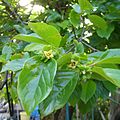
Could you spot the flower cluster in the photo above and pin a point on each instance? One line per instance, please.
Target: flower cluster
(73, 64)
(48, 54)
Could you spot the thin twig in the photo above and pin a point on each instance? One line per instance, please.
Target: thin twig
(77, 112)
(88, 45)
(82, 35)
(114, 101)
(3, 84)
(11, 10)
(71, 48)
(102, 115)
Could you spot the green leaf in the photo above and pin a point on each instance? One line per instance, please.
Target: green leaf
(112, 53)
(76, 8)
(2, 58)
(16, 56)
(74, 18)
(112, 75)
(14, 65)
(98, 21)
(64, 59)
(53, 16)
(111, 56)
(112, 60)
(105, 33)
(7, 51)
(13, 92)
(88, 90)
(20, 29)
(79, 48)
(100, 89)
(34, 47)
(108, 85)
(75, 97)
(95, 55)
(48, 33)
(30, 38)
(64, 84)
(63, 24)
(63, 40)
(35, 82)
(86, 107)
(85, 5)
(113, 16)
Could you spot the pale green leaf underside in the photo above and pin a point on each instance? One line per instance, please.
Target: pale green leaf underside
(30, 38)
(13, 65)
(34, 47)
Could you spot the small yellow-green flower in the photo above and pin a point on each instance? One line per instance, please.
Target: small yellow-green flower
(48, 54)
(73, 64)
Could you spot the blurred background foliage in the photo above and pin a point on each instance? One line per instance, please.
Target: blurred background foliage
(15, 15)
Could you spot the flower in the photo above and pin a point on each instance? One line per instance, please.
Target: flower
(73, 64)
(48, 54)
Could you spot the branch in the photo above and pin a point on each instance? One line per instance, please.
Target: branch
(82, 35)
(88, 45)
(12, 12)
(4, 82)
(71, 48)
(102, 115)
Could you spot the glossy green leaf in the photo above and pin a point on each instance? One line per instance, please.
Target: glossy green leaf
(13, 92)
(85, 5)
(54, 15)
(112, 75)
(98, 21)
(63, 24)
(113, 15)
(14, 65)
(75, 97)
(64, 59)
(88, 90)
(30, 38)
(7, 51)
(86, 107)
(35, 82)
(101, 91)
(48, 33)
(113, 52)
(79, 48)
(34, 47)
(74, 18)
(64, 85)
(2, 58)
(105, 33)
(109, 86)
(20, 29)
(111, 56)
(112, 60)
(16, 56)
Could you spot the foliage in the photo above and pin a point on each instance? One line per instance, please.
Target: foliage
(63, 54)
